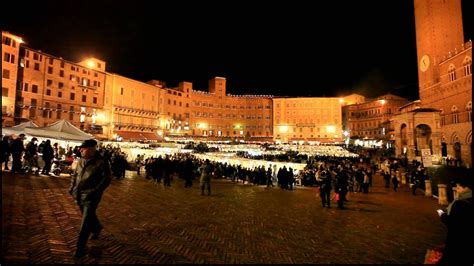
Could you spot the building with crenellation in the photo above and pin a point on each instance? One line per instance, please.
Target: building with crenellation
(218, 114)
(442, 124)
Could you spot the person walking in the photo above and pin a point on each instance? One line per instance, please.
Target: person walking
(325, 188)
(5, 153)
(48, 155)
(459, 220)
(88, 183)
(394, 182)
(17, 149)
(206, 172)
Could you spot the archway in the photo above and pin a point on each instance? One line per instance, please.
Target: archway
(457, 151)
(444, 149)
(404, 139)
(422, 138)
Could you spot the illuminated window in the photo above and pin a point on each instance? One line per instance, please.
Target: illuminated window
(452, 72)
(455, 114)
(467, 63)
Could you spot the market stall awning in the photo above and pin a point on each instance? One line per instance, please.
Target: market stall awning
(136, 135)
(61, 129)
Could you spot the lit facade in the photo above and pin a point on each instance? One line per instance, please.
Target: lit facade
(53, 88)
(443, 123)
(131, 109)
(175, 109)
(10, 58)
(217, 114)
(371, 119)
(307, 119)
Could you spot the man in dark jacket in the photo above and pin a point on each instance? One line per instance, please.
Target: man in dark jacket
(17, 149)
(48, 154)
(92, 177)
(459, 219)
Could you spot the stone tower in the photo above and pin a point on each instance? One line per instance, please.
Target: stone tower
(439, 29)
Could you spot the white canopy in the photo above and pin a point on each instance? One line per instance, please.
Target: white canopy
(61, 129)
(18, 129)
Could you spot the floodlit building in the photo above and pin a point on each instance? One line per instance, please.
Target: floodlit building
(307, 119)
(131, 109)
(10, 61)
(52, 89)
(218, 114)
(443, 123)
(371, 118)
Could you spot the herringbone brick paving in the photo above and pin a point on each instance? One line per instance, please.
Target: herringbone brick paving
(146, 223)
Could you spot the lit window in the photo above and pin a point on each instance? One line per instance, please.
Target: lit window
(467, 63)
(452, 72)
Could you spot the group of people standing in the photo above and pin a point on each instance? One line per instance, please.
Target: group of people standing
(25, 158)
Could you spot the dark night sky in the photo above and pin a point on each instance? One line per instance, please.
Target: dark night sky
(296, 48)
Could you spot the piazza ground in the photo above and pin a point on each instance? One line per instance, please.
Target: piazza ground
(147, 223)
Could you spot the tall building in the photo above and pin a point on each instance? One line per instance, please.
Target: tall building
(443, 123)
(10, 58)
(307, 119)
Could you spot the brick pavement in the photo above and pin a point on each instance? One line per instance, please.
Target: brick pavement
(151, 224)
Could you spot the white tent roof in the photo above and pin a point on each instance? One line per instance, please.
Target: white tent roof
(18, 129)
(61, 129)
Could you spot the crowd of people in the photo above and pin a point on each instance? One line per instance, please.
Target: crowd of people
(333, 178)
(25, 157)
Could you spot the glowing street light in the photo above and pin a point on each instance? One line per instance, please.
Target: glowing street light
(90, 63)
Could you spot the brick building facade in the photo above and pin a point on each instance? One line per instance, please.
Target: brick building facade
(443, 123)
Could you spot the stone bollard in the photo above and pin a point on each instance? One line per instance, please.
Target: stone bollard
(403, 177)
(455, 193)
(428, 191)
(442, 195)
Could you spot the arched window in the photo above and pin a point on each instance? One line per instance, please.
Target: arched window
(467, 63)
(452, 72)
(455, 114)
(469, 111)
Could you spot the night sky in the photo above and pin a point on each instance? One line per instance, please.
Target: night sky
(295, 48)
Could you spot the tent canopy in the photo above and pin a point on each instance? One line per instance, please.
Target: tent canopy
(18, 129)
(61, 129)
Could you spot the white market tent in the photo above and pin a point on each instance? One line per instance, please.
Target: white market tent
(61, 130)
(18, 129)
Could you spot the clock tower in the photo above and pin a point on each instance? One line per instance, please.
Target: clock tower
(438, 29)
